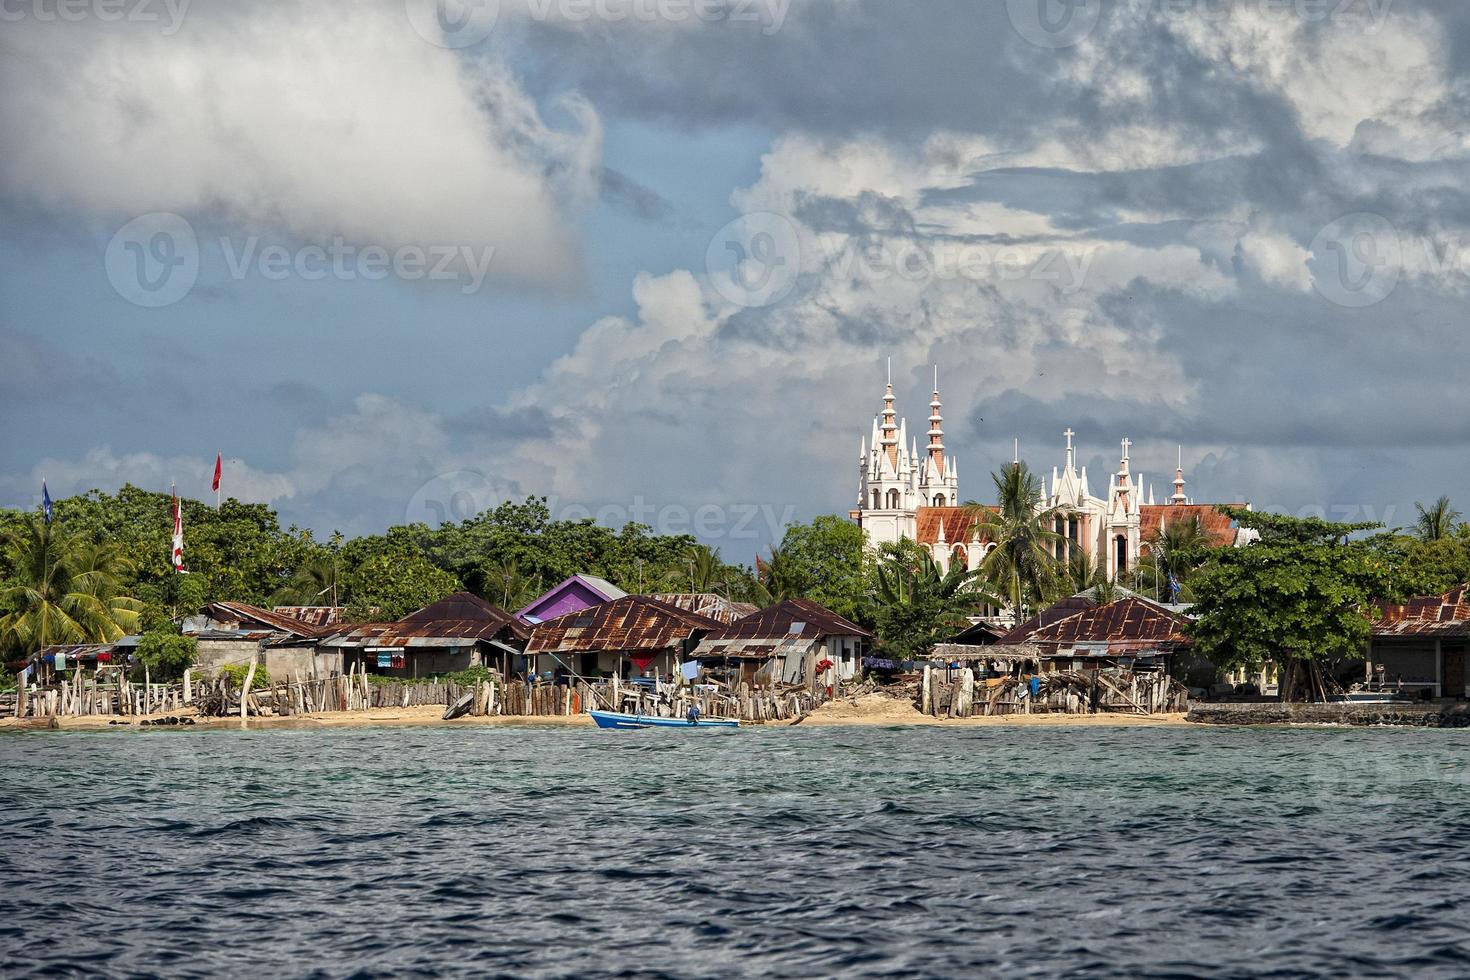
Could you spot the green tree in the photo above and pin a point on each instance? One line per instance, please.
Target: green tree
(1300, 597)
(166, 654)
(63, 589)
(1175, 552)
(1437, 522)
(1020, 566)
(830, 563)
(390, 586)
(317, 582)
(915, 604)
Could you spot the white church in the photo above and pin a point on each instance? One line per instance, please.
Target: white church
(903, 493)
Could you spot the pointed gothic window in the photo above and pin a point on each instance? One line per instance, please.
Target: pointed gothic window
(1121, 550)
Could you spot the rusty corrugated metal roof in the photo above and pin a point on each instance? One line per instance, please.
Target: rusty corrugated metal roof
(242, 613)
(707, 604)
(1054, 613)
(634, 622)
(779, 620)
(321, 616)
(461, 616)
(1435, 615)
(1132, 623)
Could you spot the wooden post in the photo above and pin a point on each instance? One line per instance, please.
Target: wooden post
(245, 691)
(924, 704)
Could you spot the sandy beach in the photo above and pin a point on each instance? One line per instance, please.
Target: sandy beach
(868, 709)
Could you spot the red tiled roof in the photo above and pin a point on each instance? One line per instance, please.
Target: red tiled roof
(1220, 528)
(634, 622)
(777, 620)
(958, 523)
(1437, 615)
(1125, 624)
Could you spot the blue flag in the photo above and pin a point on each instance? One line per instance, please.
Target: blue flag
(46, 501)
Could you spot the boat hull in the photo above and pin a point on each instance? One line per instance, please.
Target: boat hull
(619, 720)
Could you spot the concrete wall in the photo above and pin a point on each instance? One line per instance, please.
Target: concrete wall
(1428, 715)
(283, 663)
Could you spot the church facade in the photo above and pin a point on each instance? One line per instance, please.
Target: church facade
(906, 492)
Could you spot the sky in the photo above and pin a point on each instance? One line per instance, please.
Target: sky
(651, 259)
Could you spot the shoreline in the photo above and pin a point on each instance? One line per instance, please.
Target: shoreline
(832, 715)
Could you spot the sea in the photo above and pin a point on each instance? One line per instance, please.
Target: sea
(773, 852)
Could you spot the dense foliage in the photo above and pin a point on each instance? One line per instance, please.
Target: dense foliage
(166, 654)
(1302, 594)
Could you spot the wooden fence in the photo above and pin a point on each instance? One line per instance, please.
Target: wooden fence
(218, 696)
(958, 694)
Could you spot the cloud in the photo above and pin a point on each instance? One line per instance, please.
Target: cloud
(295, 119)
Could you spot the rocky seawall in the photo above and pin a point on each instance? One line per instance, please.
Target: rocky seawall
(1428, 715)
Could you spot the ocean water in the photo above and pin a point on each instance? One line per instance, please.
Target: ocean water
(767, 852)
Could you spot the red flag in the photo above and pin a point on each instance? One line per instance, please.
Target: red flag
(178, 542)
(217, 463)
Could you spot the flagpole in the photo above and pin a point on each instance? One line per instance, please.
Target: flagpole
(219, 459)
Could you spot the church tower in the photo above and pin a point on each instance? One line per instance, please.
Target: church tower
(939, 481)
(1124, 518)
(888, 478)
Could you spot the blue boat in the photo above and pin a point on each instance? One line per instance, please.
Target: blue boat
(617, 719)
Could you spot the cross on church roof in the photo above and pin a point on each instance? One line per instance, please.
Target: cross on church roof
(1126, 444)
(1069, 434)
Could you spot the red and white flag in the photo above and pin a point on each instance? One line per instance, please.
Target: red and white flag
(218, 463)
(178, 551)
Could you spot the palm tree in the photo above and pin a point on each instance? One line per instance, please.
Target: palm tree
(915, 603)
(67, 590)
(315, 581)
(777, 577)
(1437, 521)
(1021, 564)
(507, 586)
(1176, 551)
(706, 570)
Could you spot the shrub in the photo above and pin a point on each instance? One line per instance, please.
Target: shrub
(236, 674)
(166, 654)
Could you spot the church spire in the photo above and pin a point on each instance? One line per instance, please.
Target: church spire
(890, 427)
(1179, 496)
(936, 427)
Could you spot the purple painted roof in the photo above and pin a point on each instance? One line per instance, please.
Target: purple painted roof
(577, 592)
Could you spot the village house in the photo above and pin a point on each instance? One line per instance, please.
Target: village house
(1132, 633)
(570, 595)
(229, 633)
(1420, 646)
(456, 633)
(795, 641)
(629, 636)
